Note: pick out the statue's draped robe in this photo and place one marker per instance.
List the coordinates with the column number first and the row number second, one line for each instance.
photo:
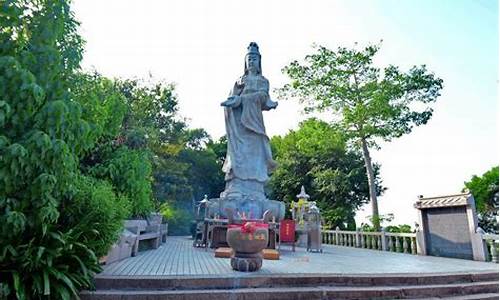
column 249, row 153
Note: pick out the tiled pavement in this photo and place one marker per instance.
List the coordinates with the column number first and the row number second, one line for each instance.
column 177, row 257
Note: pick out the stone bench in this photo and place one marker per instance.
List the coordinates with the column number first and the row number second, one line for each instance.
column 144, row 232
column 122, row 248
column 157, row 219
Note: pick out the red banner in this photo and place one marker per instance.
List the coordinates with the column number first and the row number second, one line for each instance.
column 287, row 231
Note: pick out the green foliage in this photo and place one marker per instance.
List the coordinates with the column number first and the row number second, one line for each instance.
column 179, row 219
column 382, row 219
column 97, row 213
column 485, row 192
column 151, row 116
column 403, row 228
column 185, row 173
column 103, row 105
column 54, row 264
column 42, row 135
column 367, row 103
column 316, row 156
column 204, row 174
column 130, row 173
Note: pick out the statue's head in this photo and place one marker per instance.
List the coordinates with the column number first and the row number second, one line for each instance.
column 252, row 59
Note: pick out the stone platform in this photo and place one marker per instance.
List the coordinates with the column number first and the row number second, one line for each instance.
column 178, row 271
column 178, row 257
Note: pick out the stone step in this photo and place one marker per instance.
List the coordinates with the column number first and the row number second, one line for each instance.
column 311, row 292
column 487, row 296
column 284, row 280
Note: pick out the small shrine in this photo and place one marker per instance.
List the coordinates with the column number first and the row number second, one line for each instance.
column 303, row 212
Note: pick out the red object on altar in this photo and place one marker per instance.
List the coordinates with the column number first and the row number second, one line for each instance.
column 249, row 227
column 287, row 232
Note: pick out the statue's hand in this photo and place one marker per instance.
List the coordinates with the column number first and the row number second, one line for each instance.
column 271, row 104
column 230, row 102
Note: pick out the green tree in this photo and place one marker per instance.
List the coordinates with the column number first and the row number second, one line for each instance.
column 152, row 113
column 130, row 172
column 484, row 188
column 140, row 138
column 191, row 173
column 42, row 135
column 103, row 105
column 368, row 103
column 317, row 157
column 124, row 163
column 205, row 168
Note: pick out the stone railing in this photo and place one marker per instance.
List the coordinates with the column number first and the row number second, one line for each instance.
column 491, row 242
column 384, row 241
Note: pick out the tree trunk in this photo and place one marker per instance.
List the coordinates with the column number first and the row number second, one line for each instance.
column 371, row 185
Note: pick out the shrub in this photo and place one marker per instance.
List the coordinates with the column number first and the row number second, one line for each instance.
column 97, row 213
column 42, row 137
column 52, row 263
column 179, row 219
column 130, row 171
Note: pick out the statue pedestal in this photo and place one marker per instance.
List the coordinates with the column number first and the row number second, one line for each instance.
column 237, row 188
column 252, row 209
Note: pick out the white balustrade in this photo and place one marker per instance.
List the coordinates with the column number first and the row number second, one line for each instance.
column 384, row 241
column 491, row 241
column 393, row 242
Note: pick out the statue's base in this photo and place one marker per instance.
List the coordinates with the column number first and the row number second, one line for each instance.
column 238, row 188
column 245, row 207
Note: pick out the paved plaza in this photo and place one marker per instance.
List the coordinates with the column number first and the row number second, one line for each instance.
column 177, row 257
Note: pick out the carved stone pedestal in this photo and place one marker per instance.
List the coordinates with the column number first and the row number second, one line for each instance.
column 251, row 263
column 247, row 245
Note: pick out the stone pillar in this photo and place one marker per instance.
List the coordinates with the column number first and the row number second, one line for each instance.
column 358, row 238
column 383, row 239
column 479, row 247
column 337, row 236
column 420, row 242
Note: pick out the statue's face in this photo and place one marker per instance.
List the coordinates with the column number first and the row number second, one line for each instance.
column 253, row 61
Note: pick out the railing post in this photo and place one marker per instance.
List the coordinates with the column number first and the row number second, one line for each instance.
column 358, row 238
column 383, row 240
column 390, row 246
column 398, row 246
column 337, row 235
column 405, row 245
column 413, row 245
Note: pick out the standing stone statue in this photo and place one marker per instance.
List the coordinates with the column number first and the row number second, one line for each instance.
column 249, row 160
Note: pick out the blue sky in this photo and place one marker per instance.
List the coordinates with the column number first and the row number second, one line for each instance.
column 200, row 46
